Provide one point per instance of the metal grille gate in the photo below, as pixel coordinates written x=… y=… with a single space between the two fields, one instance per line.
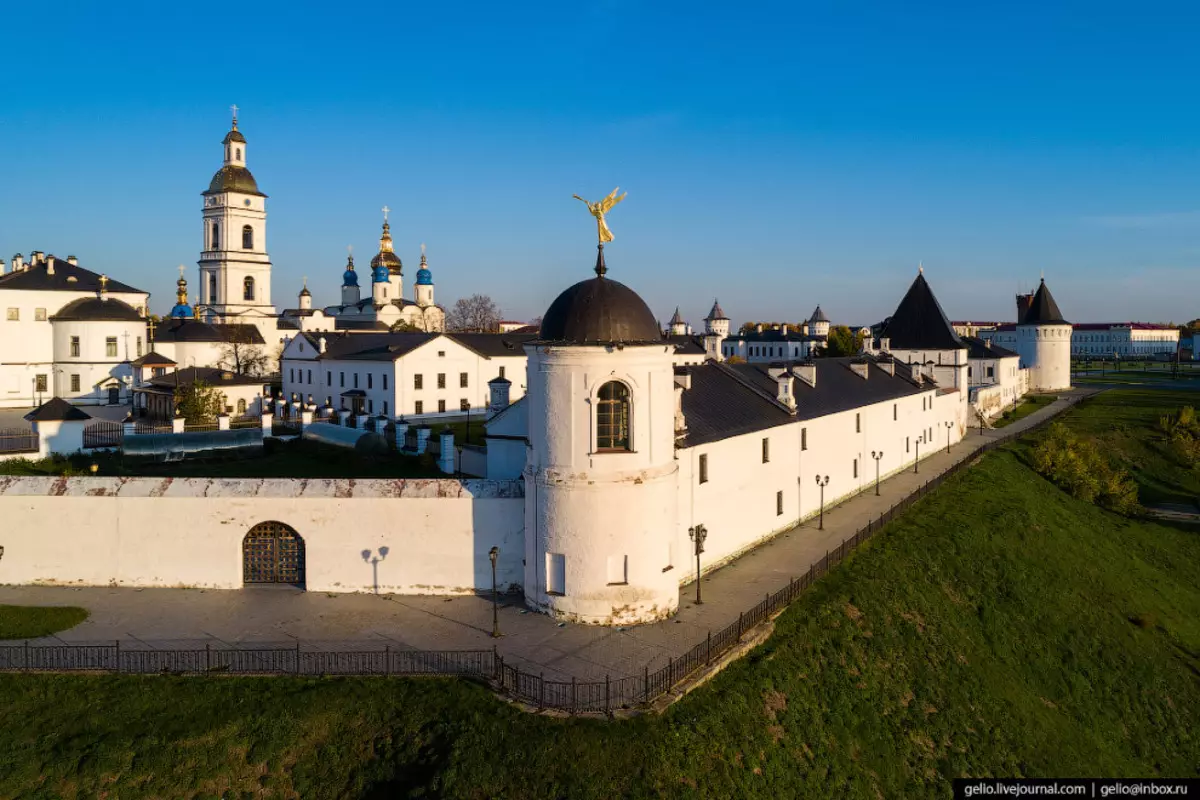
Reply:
x=273 y=553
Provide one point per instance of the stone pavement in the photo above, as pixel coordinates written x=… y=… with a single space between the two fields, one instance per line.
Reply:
x=165 y=618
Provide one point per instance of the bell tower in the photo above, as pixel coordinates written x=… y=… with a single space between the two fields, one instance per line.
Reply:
x=235 y=270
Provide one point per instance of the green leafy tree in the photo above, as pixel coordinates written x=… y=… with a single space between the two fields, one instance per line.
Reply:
x=199 y=403
x=841 y=342
x=1077 y=466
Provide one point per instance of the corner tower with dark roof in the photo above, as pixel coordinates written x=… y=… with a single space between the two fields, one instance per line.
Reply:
x=716 y=331
x=601 y=497
x=1044 y=343
x=235 y=270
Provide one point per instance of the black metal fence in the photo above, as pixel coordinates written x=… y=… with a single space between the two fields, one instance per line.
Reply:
x=534 y=689
x=18 y=440
x=104 y=434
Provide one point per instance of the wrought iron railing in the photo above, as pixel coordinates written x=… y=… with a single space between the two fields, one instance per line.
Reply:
x=18 y=440
x=104 y=434
x=573 y=696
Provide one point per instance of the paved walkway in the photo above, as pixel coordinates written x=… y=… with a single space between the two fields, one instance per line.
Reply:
x=186 y=617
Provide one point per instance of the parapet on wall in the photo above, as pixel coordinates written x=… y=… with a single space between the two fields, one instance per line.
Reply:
x=189 y=532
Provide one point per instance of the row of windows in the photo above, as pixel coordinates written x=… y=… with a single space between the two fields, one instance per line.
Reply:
x=247 y=237
x=418 y=407
x=110 y=347
x=14 y=315
x=305 y=376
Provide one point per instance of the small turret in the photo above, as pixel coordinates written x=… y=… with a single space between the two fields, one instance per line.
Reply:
x=424 y=286
x=305 y=297
x=677 y=327
x=350 y=291
x=181 y=309
x=716 y=330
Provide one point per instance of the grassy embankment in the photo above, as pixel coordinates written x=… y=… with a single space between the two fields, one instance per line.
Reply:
x=1029 y=404
x=1002 y=627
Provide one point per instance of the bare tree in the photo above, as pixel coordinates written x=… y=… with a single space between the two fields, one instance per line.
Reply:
x=242 y=354
x=474 y=314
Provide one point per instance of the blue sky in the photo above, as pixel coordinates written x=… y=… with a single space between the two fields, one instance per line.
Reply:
x=776 y=155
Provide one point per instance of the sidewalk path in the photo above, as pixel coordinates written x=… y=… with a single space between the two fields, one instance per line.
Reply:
x=166 y=618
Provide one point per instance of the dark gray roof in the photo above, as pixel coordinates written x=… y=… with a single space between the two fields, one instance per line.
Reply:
x=688 y=344
x=153 y=359
x=1043 y=310
x=919 y=322
x=193 y=330
x=818 y=315
x=599 y=311
x=67 y=277
x=979 y=349
x=56 y=410
x=213 y=376
x=716 y=312
x=234 y=136
x=733 y=399
x=676 y=320
x=98 y=309
x=494 y=345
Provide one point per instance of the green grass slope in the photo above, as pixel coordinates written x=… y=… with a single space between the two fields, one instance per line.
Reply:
x=32 y=622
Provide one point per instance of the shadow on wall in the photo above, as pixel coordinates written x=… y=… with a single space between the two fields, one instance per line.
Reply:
x=508 y=539
x=373 y=558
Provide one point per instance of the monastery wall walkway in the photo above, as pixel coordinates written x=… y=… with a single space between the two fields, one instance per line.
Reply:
x=186 y=618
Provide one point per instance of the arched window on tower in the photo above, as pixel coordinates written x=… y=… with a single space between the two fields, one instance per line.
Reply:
x=248 y=288
x=247 y=237
x=239 y=154
x=216 y=237
x=612 y=417
x=212 y=288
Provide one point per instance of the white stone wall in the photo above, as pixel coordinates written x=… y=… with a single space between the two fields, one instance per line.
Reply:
x=738 y=503
x=1046 y=352
x=189 y=532
x=94 y=366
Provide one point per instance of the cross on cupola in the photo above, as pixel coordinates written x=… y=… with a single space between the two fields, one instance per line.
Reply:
x=234 y=109
x=386 y=211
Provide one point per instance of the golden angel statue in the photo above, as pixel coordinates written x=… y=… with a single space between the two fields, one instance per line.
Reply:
x=600 y=209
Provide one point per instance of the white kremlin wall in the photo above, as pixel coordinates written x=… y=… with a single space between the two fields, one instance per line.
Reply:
x=738 y=504
x=188 y=532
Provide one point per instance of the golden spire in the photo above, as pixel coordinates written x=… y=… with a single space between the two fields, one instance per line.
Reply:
x=181 y=288
x=385 y=240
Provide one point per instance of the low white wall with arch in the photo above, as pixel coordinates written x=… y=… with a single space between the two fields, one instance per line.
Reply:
x=188 y=532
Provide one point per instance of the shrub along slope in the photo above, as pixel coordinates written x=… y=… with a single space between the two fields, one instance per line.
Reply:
x=1003 y=627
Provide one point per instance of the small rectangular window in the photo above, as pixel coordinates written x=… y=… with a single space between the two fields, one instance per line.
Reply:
x=329 y=379
x=110 y=346
x=370 y=406
x=462 y=380
x=441 y=406
x=342 y=380
x=858 y=423
x=39 y=315
x=418 y=407
x=907 y=445
x=14 y=315
x=74 y=383
x=139 y=347
x=418 y=381
x=39 y=383
x=856 y=467
x=766 y=450
x=556 y=574
x=385 y=411
x=779 y=504
x=441 y=380
x=356 y=380
x=309 y=381
x=618 y=570
x=441 y=353
x=291 y=375
x=895 y=412
x=370 y=381
x=804 y=438
x=704 y=468
x=464 y=405
x=385 y=383
x=75 y=346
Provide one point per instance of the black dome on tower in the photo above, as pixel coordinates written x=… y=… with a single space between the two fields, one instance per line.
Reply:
x=599 y=311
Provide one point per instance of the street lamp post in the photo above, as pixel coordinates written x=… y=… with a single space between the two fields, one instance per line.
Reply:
x=949 y=425
x=917 y=460
x=493 y=554
x=822 y=482
x=698 y=534
x=877 y=456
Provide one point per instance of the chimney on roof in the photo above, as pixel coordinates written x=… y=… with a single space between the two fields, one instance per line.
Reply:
x=885 y=344
x=785 y=390
x=784 y=329
x=73 y=261
x=860 y=369
x=1024 y=302
x=18 y=262
x=807 y=372
x=321 y=345
x=36 y=257
x=50 y=264
x=758 y=328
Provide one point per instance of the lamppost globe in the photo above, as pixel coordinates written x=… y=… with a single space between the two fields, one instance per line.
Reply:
x=822 y=482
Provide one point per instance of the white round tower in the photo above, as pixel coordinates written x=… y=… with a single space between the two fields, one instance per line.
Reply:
x=601 y=476
x=818 y=325
x=716 y=331
x=1044 y=343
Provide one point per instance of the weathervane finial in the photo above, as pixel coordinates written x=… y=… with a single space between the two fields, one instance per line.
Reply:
x=920 y=267
x=599 y=209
